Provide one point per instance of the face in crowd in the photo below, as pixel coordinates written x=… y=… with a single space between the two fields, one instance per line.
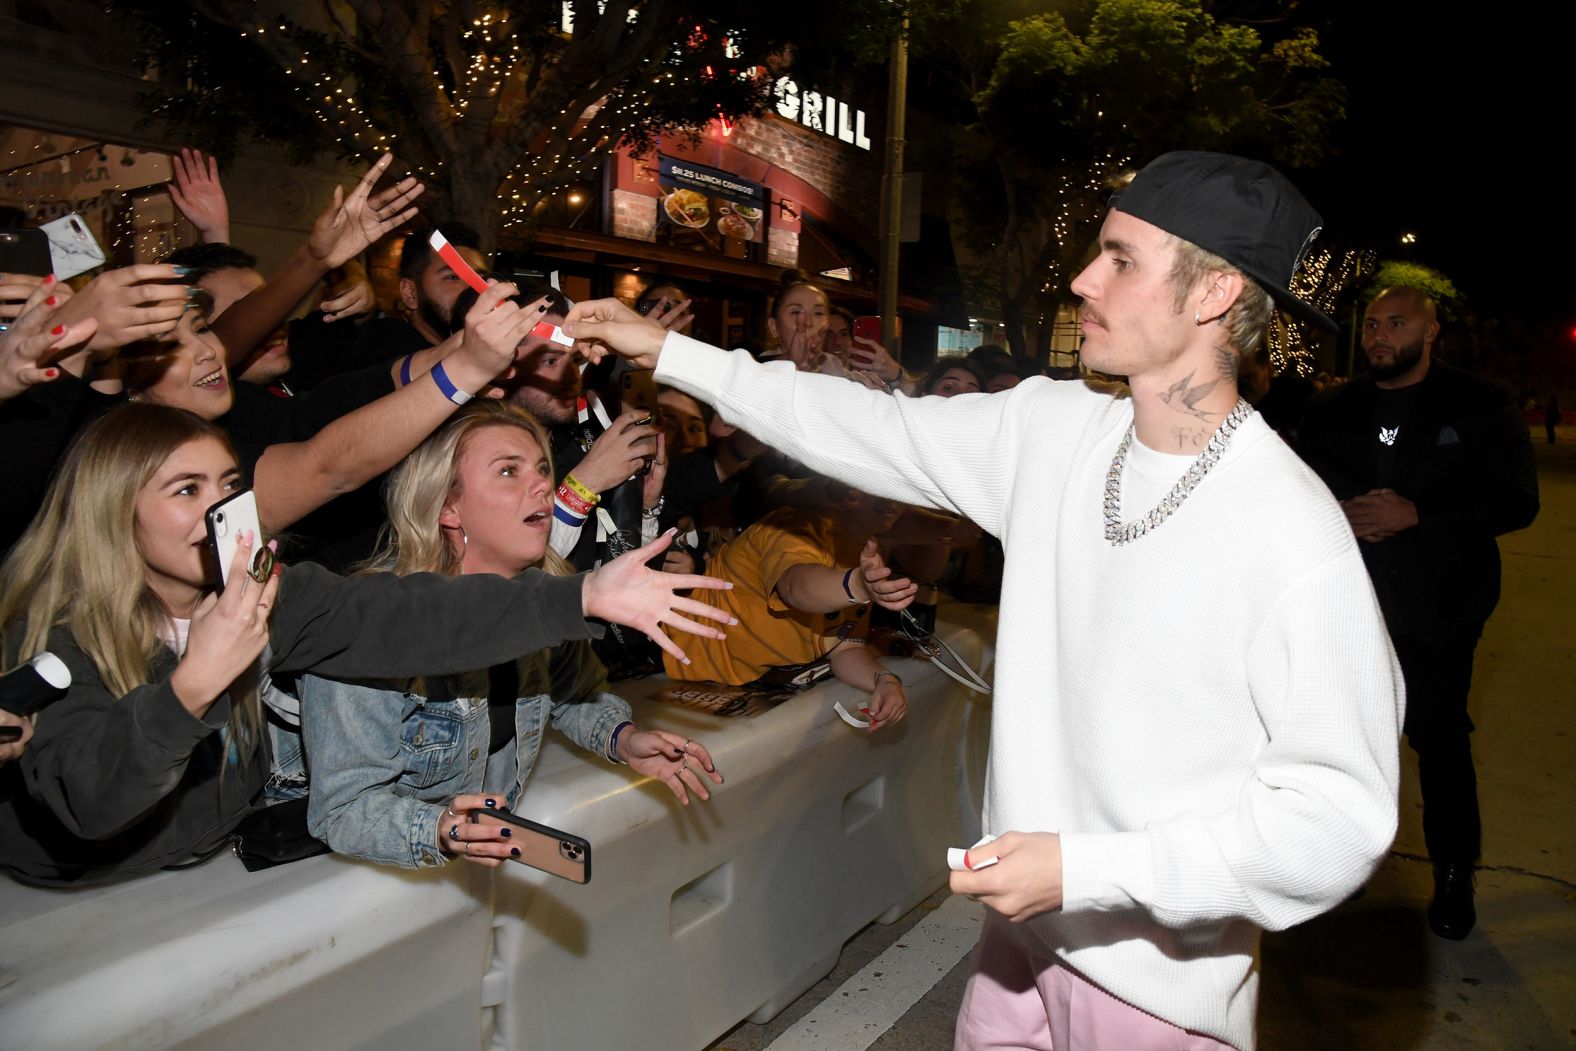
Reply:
x=682 y=422
x=839 y=336
x=429 y=297
x=798 y=324
x=170 y=524
x=954 y=381
x=185 y=369
x=547 y=379
x=499 y=515
x=1399 y=329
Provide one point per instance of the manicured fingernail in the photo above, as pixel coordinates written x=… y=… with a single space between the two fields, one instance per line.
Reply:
x=542 y=309
x=492 y=803
x=686 y=662
x=273 y=545
x=454 y=832
x=192 y=290
x=50 y=301
x=49 y=279
x=189 y=306
x=505 y=833
x=514 y=852
x=50 y=374
x=58 y=330
x=733 y=620
x=184 y=271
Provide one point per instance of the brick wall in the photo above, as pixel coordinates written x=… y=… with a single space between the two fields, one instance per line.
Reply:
x=634 y=215
x=849 y=176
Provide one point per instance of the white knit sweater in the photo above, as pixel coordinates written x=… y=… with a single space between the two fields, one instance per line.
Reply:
x=1209 y=715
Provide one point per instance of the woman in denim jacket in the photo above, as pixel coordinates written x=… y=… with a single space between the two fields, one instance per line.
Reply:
x=394 y=782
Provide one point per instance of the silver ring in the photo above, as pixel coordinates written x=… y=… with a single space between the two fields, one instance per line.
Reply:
x=687 y=744
x=451 y=812
x=467 y=848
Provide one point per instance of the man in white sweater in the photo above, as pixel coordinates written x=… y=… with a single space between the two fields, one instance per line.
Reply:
x=1196 y=705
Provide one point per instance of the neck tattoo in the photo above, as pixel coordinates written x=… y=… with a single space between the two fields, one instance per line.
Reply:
x=1119 y=532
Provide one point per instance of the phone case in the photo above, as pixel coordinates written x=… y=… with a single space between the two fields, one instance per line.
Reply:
x=24 y=252
x=545 y=849
x=868 y=328
x=72 y=248
x=227 y=520
x=640 y=389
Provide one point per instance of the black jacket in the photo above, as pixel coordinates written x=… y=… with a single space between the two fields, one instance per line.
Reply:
x=111 y=787
x=1464 y=457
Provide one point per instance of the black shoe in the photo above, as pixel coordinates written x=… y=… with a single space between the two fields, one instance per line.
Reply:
x=1452 y=913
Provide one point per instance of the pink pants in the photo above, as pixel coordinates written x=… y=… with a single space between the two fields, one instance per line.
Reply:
x=1018 y=999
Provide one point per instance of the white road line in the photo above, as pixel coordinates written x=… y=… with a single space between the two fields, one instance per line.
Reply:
x=891 y=983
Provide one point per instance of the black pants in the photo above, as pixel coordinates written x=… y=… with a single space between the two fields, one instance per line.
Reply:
x=1438 y=673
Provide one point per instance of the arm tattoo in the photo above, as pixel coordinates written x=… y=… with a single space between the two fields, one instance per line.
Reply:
x=1226 y=360
x=1184 y=398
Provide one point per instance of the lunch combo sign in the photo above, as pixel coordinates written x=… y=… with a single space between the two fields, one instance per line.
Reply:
x=710 y=201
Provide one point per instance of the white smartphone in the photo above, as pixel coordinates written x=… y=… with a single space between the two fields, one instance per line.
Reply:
x=72 y=249
x=228 y=521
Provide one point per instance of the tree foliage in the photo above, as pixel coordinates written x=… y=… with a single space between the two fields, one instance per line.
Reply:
x=1060 y=105
x=491 y=103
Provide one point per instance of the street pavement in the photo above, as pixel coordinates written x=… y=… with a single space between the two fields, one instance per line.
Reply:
x=1369 y=975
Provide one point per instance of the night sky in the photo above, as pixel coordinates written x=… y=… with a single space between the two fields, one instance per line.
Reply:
x=1456 y=123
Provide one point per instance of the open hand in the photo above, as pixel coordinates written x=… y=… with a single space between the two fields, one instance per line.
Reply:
x=350 y=224
x=199 y=195
x=34 y=339
x=676 y=761
x=626 y=592
x=130 y=303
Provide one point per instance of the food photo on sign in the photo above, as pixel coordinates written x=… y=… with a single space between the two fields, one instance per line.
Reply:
x=705 y=207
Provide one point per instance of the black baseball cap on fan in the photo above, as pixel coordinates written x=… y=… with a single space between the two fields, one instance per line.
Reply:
x=1241 y=210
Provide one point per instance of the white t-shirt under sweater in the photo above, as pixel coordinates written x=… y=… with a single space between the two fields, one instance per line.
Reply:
x=1209 y=715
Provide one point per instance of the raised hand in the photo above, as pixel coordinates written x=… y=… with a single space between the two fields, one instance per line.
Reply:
x=619 y=452
x=676 y=761
x=130 y=303
x=350 y=224
x=351 y=297
x=626 y=592
x=33 y=340
x=869 y=356
x=494 y=327
x=674 y=317
x=199 y=195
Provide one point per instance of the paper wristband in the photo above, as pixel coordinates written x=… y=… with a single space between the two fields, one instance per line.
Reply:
x=456 y=262
x=552 y=333
x=849 y=719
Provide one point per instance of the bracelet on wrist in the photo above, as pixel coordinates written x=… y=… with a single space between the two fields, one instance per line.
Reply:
x=404 y=370
x=847 y=578
x=579 y=487
x=446 y=385
x=655 y=510
x=612 y=747
x=573 y=502
x=884 y=674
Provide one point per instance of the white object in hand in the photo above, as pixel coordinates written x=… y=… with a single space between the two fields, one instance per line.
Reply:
x=958 y=859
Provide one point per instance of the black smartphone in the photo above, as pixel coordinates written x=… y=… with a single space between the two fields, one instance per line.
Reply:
x=10 y=733
x=546 y=849
x=25 y=252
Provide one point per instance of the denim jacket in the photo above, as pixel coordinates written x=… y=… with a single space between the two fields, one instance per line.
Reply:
x=385 y=758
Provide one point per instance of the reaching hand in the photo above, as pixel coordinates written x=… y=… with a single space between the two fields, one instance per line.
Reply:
x=870 y=356
x=199 y=195
x=10 y=750
x=626 y=592
x=33 y=340
x=131 y=303
x=656 y=475
x=675 y=761
x=600 y=326
x=888 y=704
x=675 y=317
x=228 y=632
x=352 y=297
x=494 y=327
x=619 y=452
x=884 y=589
x=350 y=224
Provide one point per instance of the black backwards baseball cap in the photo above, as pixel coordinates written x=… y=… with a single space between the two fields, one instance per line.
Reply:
x=1243 y=211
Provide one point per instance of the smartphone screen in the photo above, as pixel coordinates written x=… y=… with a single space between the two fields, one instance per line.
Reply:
x=24 y=252
x=545 y=849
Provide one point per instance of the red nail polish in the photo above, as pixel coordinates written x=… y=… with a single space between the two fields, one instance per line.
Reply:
x=58 y=330
x=50 y=301
x=49 y=279
x=50 y=374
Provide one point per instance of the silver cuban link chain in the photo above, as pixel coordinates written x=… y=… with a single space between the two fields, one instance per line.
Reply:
x=1119 y=532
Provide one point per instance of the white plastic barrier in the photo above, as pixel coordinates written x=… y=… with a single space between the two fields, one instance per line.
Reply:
x=696 y=919
x=321 y=954
x=693 y=919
